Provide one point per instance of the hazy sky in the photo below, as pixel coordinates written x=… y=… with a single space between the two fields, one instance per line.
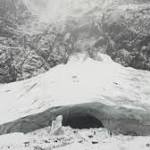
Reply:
x=51 y=10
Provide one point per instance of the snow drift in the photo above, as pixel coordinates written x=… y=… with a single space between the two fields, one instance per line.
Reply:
x=104 y=87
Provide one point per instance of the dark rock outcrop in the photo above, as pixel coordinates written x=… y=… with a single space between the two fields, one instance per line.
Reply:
x=119 y=30
x=127 y=27
x=7 y=68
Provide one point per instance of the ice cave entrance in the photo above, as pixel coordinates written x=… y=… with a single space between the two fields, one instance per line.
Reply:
x=82 y=121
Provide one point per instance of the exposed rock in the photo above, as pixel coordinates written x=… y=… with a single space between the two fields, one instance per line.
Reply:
x=32 y=66
x=7 y=68
x=120 y=30
x=128 y=28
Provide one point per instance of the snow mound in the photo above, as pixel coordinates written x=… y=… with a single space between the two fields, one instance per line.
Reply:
x=79 y=81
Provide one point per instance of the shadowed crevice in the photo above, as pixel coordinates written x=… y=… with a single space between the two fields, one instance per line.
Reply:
x=82 y=121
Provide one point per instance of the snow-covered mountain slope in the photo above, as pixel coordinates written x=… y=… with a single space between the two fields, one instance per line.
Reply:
x=81 y=80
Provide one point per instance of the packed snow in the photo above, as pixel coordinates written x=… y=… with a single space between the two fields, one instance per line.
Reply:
x=80 y=80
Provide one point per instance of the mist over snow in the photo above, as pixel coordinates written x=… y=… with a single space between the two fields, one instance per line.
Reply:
x=57 y=10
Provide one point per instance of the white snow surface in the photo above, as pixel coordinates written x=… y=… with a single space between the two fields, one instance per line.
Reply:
x=81 y=80
x=16 y=139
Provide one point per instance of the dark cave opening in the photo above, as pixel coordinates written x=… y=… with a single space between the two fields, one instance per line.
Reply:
x=82 y=122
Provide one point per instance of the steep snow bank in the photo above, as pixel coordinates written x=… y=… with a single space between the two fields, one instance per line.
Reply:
x=74 y=83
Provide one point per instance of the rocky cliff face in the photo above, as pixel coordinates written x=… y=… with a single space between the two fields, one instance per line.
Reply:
x=33 y=46
x=127 y=28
